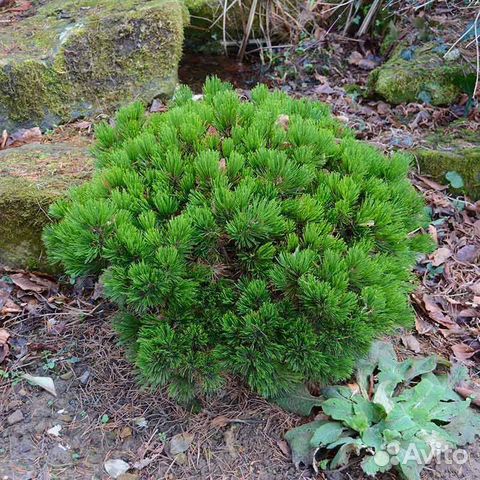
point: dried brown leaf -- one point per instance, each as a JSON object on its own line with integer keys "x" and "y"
{"x": 422, "y": 326}
{"x": 468, "y": 253}
{"x": 284, "y": 448}
{"x": 411, "y": 343}
{"x": 462, "y": 351}
{"x": 4, "y": 348}
{"x": 467, "y": 392}
{"x": 23, "y": 136}
{"x": 468, "y": 313}
{"x": 283, "y": 121}
{"x": 432, "y": 184}
{"x": 32, "y": 283}
{"x": 220, "y": 421}
{"x": 440, "y": 256}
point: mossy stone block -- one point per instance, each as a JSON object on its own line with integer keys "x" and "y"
{"x": 79, "y": 57}
{"x": 416, "y": 74}
{"x": 31, "y": 178}
{"x": 466, "y": 162}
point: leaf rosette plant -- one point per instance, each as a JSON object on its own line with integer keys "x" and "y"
{"x": 403, "y": 416}
{"x": 254, "y": 238}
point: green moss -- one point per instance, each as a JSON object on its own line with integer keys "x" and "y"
{"x": 466, "y": 162}
{"x": 22, "y": 217}
{"x": 73, "y": 58}
{"x": 425, "y": 75}
{"x": 32, "y": 91}
{"x": 141, "y": 61}
{"x": 32, "y": 177}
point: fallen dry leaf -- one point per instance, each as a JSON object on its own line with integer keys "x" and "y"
{"x": 432, "y": 184}
{"x": 212, "y": 131}
{"x": 325, "y": 89}
{"x": 284, "y": 448}
{"x": 43, "y": 382}
{"x": 440, "y": 256}
{"x": 229, "y": 438}
{"x": 23, "y": 136}
{"x": 10, "y": 307}
{"x": 125, "y": 432}
{"x": 435, "y": 313}
{"x": 180, "y": 443}
{"x": 116, "y": 467}
{"x": 421, "y": 118}
{"x": 468, "y": 313}
{"x": 468, "y": 253}
{"x": 467, "y": 392}
{"x": 33, "y": 283}
{"x": 411, "y": 343}
{"x": 355, "y": 58}
{"x": 383, "y": 108}
{"x": 55, "y": 431}
{"x": 83, "y": 125}
{"x": 3, "y": 141}
{"x": 220, "y": 421}
{"x": 4, "y": 348}
{"x": 422, "y": 326}
{"x": 283, "y": 121}
{"x": 141, "y": 464}
{"x": 158, "y": 106}
{"x": 463, "y": 352}
{"x": 475, "y": 288}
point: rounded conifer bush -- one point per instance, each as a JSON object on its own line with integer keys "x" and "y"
{"x": 253, "y": 238}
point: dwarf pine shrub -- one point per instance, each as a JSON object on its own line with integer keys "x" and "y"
{"x": 254, "y": 238}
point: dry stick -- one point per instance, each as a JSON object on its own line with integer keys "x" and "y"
{"x": 225, "y": 9}
{"x": 224, "y": 26}
{"x": 477, "y": 46}
{"x": 248, "y": 29}
{"x": 372, "y": 12}
{"x": 349, "y": 19}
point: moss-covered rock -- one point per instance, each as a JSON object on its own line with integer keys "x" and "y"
{"x": 446, "y": 152}
{"x": 31, "y": 178}
{"x": 76, "y": 57}
{"x": 418, "y": 74}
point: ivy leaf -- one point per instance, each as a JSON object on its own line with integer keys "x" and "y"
{"x": 455, "y": 179}
{"x": 327, "y": 433}
{"x": 299, "y": 441}
{"x": 299, "y": 401}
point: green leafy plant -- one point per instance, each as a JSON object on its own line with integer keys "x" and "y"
{"x": 454, "y": 179}
{"x": 254, "y": 238}
{"x": 402, "y": 416}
